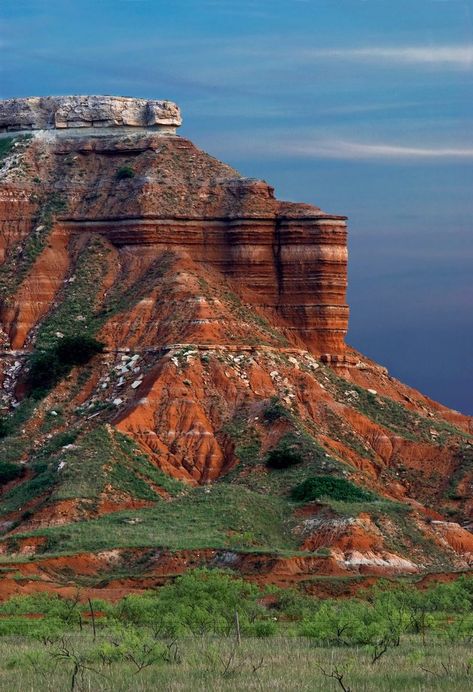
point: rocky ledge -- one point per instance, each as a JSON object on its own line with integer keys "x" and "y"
{"x": 71, "y": 112}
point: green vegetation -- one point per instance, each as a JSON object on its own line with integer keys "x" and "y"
{"x": 296, "y": 454}
{"x": 275, "y": 410}
{"x": 75, "y": 465}
{"x": 19, "y": 261}
{"x": 283, "y": 457}
{"x": 331, "y": 487}
{"x": 75, "y": 312}
{"x": 142, "y": 468}
{"x": 48, "y": 367}
{"x": 6, "y": 146}
{"x": 9, "y": 425}
{"x": 184, "y": 636}
{"x": 125, "y": 173}
{"x": 209, "y": 516}
{"x": 9, "y": 471}
{"x": 387, "y": 412}
{"x": 77, "y": 350}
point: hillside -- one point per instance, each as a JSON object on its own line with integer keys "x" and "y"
{"x": 224, "y": 420}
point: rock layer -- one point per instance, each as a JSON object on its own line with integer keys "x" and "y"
{"x": 290, "y": 259}
{"x": 66, "y": 112}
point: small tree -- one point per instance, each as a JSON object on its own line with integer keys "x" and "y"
{"x": 9, "y": 471}
{"x": 124, "y": 173}
{"x": 47, "y": 368}
{"x": 77, "y": 350}
{"x": 283, "y": 458}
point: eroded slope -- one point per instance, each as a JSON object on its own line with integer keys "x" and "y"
{"x": 223, "y": 319}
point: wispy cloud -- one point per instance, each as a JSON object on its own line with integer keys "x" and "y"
{"x": 281, "y": 146}
{"x": 447, "y": 55}
{"x": 361, "y": 150}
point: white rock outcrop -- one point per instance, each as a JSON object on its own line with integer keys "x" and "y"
{"x": 70, "y": 112}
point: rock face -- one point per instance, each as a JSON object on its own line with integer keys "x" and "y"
{"x": 288, "y": 258}
{"x": 223, "y": 314}
{"x": 69, "y": 112}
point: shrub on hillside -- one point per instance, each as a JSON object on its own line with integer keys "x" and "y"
{"x": 47, "y": 368}
{"x": 45, "y": 371}
{"x": 9, "y": 471}
{"x": 283, "y": 458}
{"x": 331, "y": 487}
{"x": 125, "y": 172}
{"x": 275, "y": 410}
{"x": 77, "y": 350}
{"x": 5, "y": 427}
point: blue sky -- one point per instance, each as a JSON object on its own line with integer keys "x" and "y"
{"x": 363, "y": 107}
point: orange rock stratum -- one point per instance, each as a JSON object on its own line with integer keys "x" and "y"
{"x": 223, "y": 314}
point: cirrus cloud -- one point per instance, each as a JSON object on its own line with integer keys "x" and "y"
{"x": 446, "y": 55}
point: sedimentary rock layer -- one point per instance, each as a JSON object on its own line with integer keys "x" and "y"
{"x": 64, "y": 112}
{"x": 290, "y": 259}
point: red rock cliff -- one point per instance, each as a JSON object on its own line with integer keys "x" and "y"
{"x": 220, "y": 308}
{"x": 289, "y": 259}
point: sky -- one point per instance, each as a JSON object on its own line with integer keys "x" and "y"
{"x": 363, "y": 107}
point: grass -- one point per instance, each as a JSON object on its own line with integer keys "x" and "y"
{"x": 387, "y": 412}
{"x": 214, "y": 664}
{"x": 19, "y": 261}
{"x": 75, "y": 312}
{"x": 11, "y": 425}
{"x": 78, "y": 465}
{"x": 252, "y": 470}
{"x": 206, "y": 517}
{"x": 182, "y": 636}
{"x": 19, "y": 496}
{"x": 143, "y": 468}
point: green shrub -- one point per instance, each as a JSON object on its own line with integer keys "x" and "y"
{"x": 6, "y": 146}
{"x": 77, "y": 350}
{"x": 283, "y": 458}
{"x": 200, "y": 601}
{"x": 48, "y": 367}
{"x": 5, "y": 427}
{"x": 9, "y": 471}
{"x": 275, "y": 410}
{"x": 331, "y": 487}
{"x": 124, "y": 173}
{"x": 45, "y": 371}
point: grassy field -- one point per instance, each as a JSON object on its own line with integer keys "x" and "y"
{"x": 211, "y": 663}
{"x": 184, "y": 636}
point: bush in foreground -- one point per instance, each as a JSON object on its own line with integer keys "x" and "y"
{"x": 199, "y": 602}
